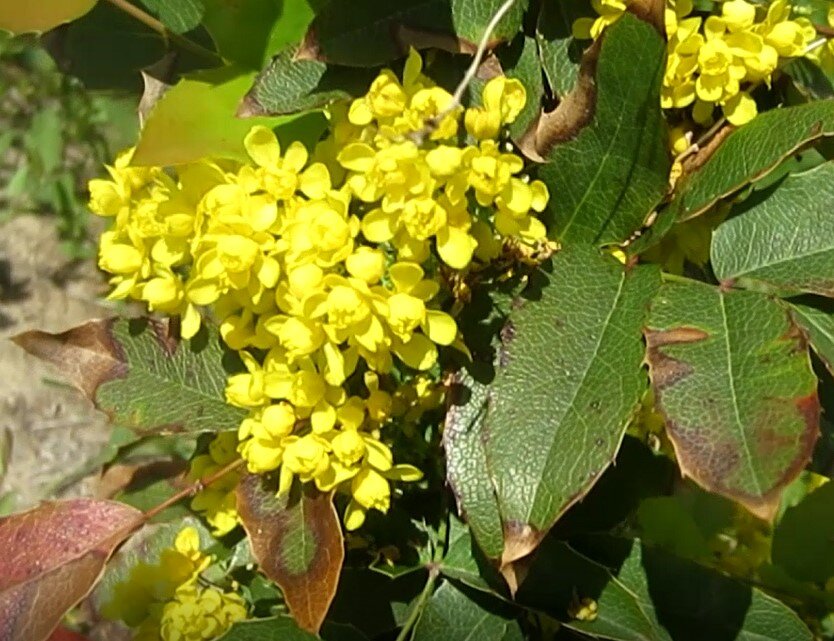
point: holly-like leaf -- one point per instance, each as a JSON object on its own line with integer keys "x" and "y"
{"x": 750, "y": 153}
{"x": 605, "y": 146}
{"x": 560, "y": 52}
{"x": 177, "y": 15}
{"x": 733, "y": 379}
{"x": 643, "y": 594}
{"x": 454, "y": 615}
{"x": 20, "y": 17}
{"x": 567, "y": 378}
{"x": 819, "y": 329}
{"x": 52, "y": 557}
{"x": 210, "y": 98}
{"x": 366, "y": 33}
{"x": 786, "y": 241}
{"x": 247, "y": 33}
{"x": 280, "y": 627}
{"x": 142, "y": 375}
{"x": 288, "y": 85}
{"x": 297, "y": 540}
{"x": 803, "y": 542}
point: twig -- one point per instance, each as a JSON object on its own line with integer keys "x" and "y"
{"x": 152, "y": 23}
{"x": 434, "y": 123}
{"x": 824, "y": 30}
{"x": 192, "y": 489}
{"x": 419, "y": 604}
{"x": 704, "y": 138}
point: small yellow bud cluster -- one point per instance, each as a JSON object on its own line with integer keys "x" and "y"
{"x": 714, "y": 62}
{"x": 163, "y": 602}
{"x": 325, "y": 273}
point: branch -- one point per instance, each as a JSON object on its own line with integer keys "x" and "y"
{"x": 192, "y": 489}
{"x": 149, "y": 21}
{"x": 433, "y": 123}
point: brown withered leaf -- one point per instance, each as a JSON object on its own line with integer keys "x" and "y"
{"x": 297, "y": 540}
{"x": 141, "y": 375}
{"x": 51, "y": 558}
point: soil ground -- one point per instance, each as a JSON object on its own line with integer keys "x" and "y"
{"x": 52, "y": 432}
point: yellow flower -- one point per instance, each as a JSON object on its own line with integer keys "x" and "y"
{"x": 200, "y": 614}
{"x": 217, "y": 502}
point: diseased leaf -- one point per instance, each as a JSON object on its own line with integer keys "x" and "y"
{"x": 819, "y": 329}
{"x": 288, "y": 85}
{"x": 750, "y": 153}
{"x": 454, "y": 615}
{"x": 210, "y": 98}
{"x": 366, "y": 33}
{"x": 177, "y": 15}
{"x": 20, "y": 17}
{"x": 567, "y": 378}
{"x": 803, "y": 541}
{"x": 643, "y": 594}
{"x": 248, "y": 33}
{"x": 784, "y": 242}
{"x": 605, "y": 146}
{"x": 52, "y": 556}
{"x": 733, "y": 379}
{"x": 297, "y": 540}
{"x": 142, "y": 375}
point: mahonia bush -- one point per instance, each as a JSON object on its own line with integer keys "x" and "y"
{"x": 328, "y": 272}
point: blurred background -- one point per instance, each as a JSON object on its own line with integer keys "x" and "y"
{"x": 54, "y": 136}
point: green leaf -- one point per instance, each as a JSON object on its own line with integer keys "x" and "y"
{"x": 87, "y": 49}
{"x": 366, "y": 33}
{"x": 297, "y": 540}
{"x": 610, "y": 163}
{"x": 454, "y": 615}
{"x": 464, "y": 438}
{"x": 140, "y": 374}
{"x": 819, "y": 328}
{"x": 20, "y": 17}
{"x": 803, "y": 542}
{"x": 465, "y": 562}
{"x": 784, "y": 242}
{"x": 734, "y": 381}
{"x": 211, "y": 98}
{"x": 249, "y": 32}
{"x": 560, "y": 52}
{"x": 177, "y": 15}
{"x": 644, "y": 594}
{"x": 809, "y": 79}
{"x": 567, "y": 378}
{"x": 288, "y": 85}
{"x": 750, "y": 153}
{"x": 280, "y": 627}
{"x": 44, "y": 140}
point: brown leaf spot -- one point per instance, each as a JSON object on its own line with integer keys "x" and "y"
{"x": 281, "y": 531}
{"x": 87, "y": 355}
{"x": 520, "y": 540}
{"x": 665, "y": 370}
{"x": 249, "y": 107}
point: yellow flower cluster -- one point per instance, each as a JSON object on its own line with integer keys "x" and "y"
{"x": 217, "y": 502}
{"x": 714, "y": 62}
{"x": 326, "y": 273}
{"x": 164, "y": 602}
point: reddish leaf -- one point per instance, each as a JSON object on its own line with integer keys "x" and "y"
{"x": 62, "y": 634}
{"x": 52, "y": 556}
{"x": 298, "y": 543}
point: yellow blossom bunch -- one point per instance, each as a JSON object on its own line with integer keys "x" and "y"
{"x": 715, "y": 62}
{"x": 325, "y": 272}
{"x": 217, "y": 502}
{"x": 164, "y": 602}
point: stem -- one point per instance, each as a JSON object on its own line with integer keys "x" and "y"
{"x": 192, "y": 489}
{"x": 149, "y": 21}
{"x": 417, "y": 610}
